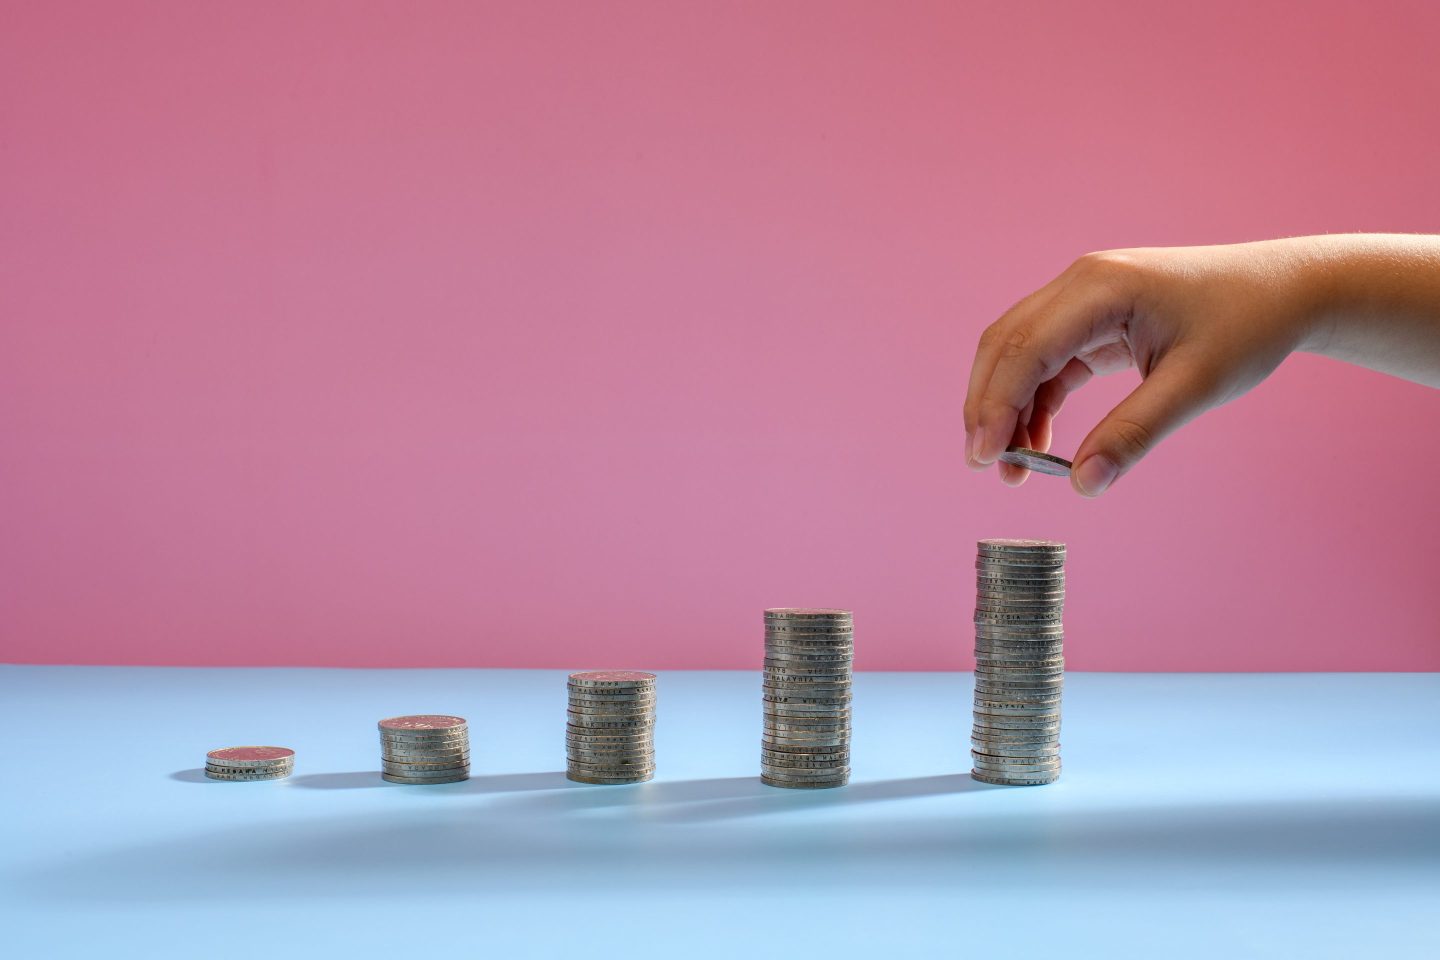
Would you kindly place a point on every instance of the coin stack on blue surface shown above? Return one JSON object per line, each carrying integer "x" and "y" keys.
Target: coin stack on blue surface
{"x": 1019, "y": 661}
{"x": 610, "y": 733}
{"x": 425, "y": 749}
{"x": 806, "y": 738}
{"x": 250, "y": 763}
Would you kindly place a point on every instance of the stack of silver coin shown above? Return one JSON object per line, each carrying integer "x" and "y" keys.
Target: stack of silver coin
{"x": 250, "y": 763}
{"x": 1019, "y": 661}
{"x": 610, "y": 733}
{"x": 806, "y": 738}
{"x": 425, "y": 749}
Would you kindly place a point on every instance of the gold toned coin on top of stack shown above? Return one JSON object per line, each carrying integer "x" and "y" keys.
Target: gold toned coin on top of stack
{"x": 250, "y": 763}
{"x": 1019, "y": 663}
{"x": 610, "y": 728}
{"x": 424, "y": 749}
{"x": 806, "y": 738}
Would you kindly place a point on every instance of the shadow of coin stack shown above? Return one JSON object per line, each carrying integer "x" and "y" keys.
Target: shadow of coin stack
{"x": 424, "y": 749}
{"x": 610, "y": 729}
{"x": 806, "y": 738}
{"x": 1019, "y": 663}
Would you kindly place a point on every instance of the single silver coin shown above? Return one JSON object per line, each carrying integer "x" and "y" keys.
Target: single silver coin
{"x": 1016, "y": 750}
{"x": 238, "y": 777}
{"x": 605, "y": 678}
{"x": 426, "y": 757}
{"x": 609, "y": 781}
{"x": 980, "y": 735}
{"x": 1038, "y": 649}
{"x": 827, "y": 691}
{"x": 582, "y": 721}
{"x": 1014, "y": 545}
{"x": 1001, "y": 560}
{"x": 795, "y": 748}
{"x": 989, "y": 725}
{"x": 824, "y": 668}
{"x": 834, "y": 746}
{"x": 1012, "y": 781}
{"x": 799, "y": 776}
{"x": 423, "y": 769}
{"x": 586, "y": 695}
{"x": 806, "y": 761}
{"x": 424, "y": 782}
{"x": 1016, "y": 679}
{"x": 804, "y": 783}
{"x": 807, "y": 613}
{"x": 265, "y": 768}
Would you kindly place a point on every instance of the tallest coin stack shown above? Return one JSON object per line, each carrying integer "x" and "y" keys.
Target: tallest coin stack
{"x": 1019, "y": 663}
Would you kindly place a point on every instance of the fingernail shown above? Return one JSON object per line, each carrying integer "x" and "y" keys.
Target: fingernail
{"x": 1094, "y": 475}
{"x": 977, "y": 449}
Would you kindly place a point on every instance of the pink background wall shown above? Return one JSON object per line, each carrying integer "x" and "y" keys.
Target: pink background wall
{"x": 574, "y": 334}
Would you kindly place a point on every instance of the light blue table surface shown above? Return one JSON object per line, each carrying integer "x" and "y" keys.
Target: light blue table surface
{"x": 1198, "y": 815}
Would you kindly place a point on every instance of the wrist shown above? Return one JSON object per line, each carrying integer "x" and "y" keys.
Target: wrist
{"x": 1315, "y": 279}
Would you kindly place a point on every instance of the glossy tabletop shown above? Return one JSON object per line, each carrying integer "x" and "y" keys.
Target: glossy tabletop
{"x": 1198, "y": 816}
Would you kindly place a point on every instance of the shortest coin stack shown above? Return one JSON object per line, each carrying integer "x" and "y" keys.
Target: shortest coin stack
{"x": 610, "y": 729}
{"x": 250, "y": 763}
{"x": 429, "y": 748}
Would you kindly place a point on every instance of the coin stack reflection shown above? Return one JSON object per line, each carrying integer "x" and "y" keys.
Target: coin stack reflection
{"x": 806, "y": 738}
{"x": 1019, "y": 663}
{"x": 610, "y": 729}
{"x": 425, "y": 749}
{"x": 250, "y": 763}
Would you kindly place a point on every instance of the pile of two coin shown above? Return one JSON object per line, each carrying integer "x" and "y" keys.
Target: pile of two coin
{"x": 610, "y": 728}
{"x": 424, "y": 749}
{"x": 805, "y": 742}
{"x": 1019, "y": 661}
{"x": 250, "y": 763}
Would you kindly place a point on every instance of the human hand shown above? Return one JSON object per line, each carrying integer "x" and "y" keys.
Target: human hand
{"x": 1202, "y": 324}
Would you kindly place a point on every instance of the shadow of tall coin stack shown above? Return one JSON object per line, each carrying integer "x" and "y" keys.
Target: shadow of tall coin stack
{"x": 806, "y": 738}
{"x": 1019, "y": 662}
{"x": 424, "y": 749}
{"x": 610, "y": 729}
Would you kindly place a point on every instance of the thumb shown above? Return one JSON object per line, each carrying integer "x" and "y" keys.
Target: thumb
{"x": 1173, "y": 394}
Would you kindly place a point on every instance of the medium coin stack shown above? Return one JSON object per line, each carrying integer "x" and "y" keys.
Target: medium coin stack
{"x": 250, "y": 763}
{"x": 427, "y": 748}
{"x": 610, "y": 729}
{"x": 1019, "y": 662}
{"x": 806, "y": 739}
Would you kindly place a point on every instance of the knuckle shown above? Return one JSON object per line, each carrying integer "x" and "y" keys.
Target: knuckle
{"x": 996, "y": 410}
{"x": 1130, "y": 439}
{"x": 1112, "y": 266}
{"x": 1015, "y": 343}
{"x": 990, "y": 336}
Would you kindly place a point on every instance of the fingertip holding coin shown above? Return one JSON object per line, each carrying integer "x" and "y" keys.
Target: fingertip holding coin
{"x": 1036, "y": 461}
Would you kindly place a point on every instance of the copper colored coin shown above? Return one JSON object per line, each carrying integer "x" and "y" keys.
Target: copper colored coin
{"x": 423, "y": 721}
{"x": 249, "y": 756}
{"x": 613, "y": 677}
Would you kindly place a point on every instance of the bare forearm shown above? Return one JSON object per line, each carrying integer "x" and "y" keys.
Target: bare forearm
{"x": 1376, "y": 301}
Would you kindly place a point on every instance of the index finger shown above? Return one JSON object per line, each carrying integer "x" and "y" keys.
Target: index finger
{"x": 987, "y": 352}
{"x": 1034, "y": 348}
